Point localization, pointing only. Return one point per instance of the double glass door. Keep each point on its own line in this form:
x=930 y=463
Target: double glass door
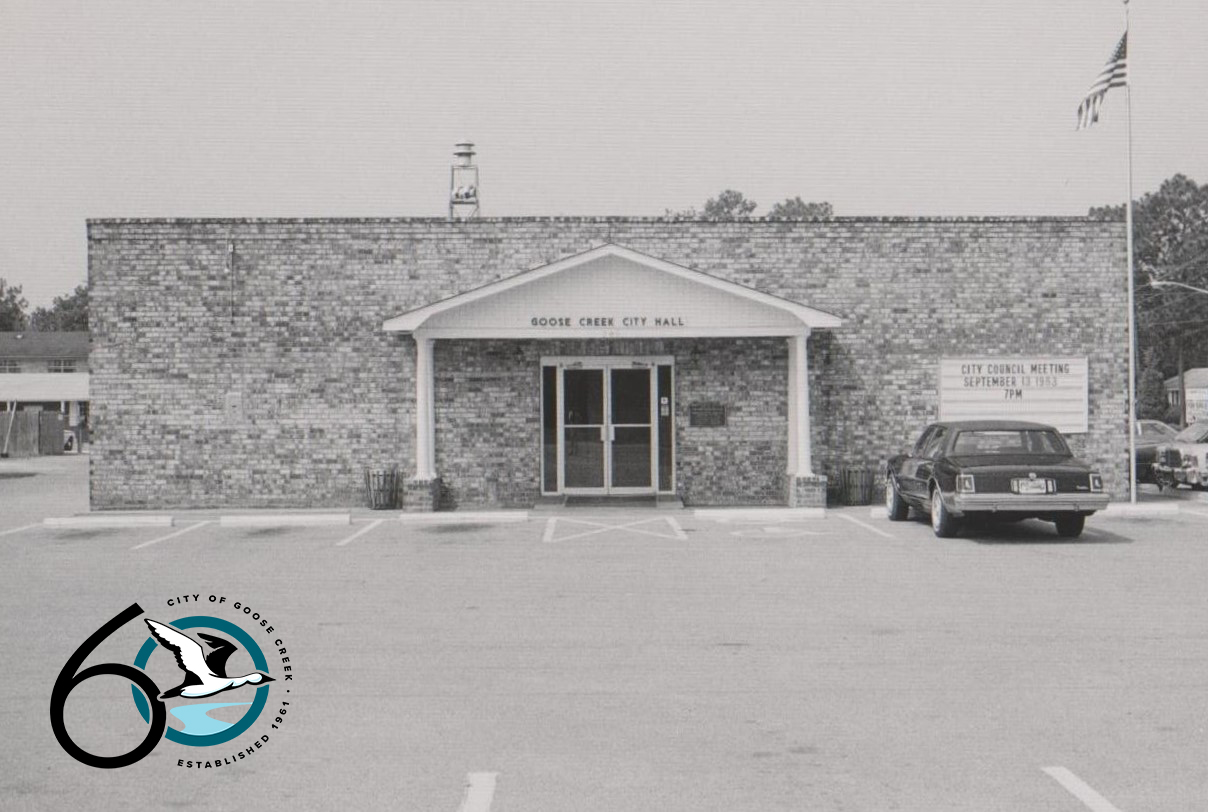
x=607 y=423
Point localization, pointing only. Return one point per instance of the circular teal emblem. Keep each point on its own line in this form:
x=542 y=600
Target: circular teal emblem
x=250 y=715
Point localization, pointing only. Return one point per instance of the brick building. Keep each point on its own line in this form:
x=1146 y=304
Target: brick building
x=500 y=361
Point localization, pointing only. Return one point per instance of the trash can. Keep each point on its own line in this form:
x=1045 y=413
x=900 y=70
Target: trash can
x=381 y=488
x=834 y=489
x=857 y=486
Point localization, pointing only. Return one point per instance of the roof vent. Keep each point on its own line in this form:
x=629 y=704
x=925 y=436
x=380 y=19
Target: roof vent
x=463 y=183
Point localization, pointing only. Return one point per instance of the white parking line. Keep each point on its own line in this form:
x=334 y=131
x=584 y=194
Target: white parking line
x=360 y=532
x=548 y=536
x=480 y=791
x=1080 y=789
x=774 y=531
x=170 y=535
x=1192 y=512
x=675 y=528
x=19 y=529
x=866 y=526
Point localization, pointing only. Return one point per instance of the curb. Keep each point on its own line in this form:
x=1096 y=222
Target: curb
x=758 y=514
x=457 y=517
x=108 y=521
x=1114 y=510
x=1149 y=510
x=285 y=520
x=1179 y=495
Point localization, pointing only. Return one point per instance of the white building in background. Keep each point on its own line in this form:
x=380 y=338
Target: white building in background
x=46 y=371
x=1194 y=388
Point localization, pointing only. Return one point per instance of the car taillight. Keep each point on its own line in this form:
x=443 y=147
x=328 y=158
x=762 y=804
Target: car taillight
x=964 y=484
x=1096 y=483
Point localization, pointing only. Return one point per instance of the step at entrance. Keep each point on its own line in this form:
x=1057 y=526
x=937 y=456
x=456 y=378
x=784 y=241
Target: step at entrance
x=666 y=501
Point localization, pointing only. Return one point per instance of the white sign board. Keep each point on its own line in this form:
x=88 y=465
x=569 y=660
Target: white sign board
x=1197 y=405
x=1040 y=389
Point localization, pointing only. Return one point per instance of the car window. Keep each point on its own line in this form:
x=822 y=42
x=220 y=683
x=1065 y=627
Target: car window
x=935 y=443
x=922 y=442
x=1045 y=442
x=1149 y=428
x=1009 y=441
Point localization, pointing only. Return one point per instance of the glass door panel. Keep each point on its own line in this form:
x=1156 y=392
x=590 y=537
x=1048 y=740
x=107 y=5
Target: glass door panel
x=584 y=465
x=629 y=431
x=583 y=428
x=630 y=397
x=631 y=457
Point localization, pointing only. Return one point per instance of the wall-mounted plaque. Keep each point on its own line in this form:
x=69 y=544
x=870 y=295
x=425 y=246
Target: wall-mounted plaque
x=707 y=414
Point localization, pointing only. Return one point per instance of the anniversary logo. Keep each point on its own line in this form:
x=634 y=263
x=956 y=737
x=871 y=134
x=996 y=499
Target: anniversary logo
x=199 y=646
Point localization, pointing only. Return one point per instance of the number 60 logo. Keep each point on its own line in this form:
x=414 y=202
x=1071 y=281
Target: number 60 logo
x=152 y=708
x=69 y=679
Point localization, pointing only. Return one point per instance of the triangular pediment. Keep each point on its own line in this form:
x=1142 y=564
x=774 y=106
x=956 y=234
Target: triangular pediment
x=611 y=291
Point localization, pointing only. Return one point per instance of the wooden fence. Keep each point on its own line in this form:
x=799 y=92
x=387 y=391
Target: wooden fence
x=30 y=433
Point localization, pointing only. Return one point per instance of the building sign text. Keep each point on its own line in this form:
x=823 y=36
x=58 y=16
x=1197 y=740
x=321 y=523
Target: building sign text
x=607 y=321
x=1039 y=389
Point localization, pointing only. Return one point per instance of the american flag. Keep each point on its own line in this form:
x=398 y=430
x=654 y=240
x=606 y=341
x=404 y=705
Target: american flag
x=1114 y=74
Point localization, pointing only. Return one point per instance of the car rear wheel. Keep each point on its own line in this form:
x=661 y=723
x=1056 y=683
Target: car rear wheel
x=895 y=506
x=942 y=522
x=1070 y=527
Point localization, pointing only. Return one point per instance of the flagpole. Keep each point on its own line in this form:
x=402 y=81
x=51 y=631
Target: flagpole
x=1132 y=313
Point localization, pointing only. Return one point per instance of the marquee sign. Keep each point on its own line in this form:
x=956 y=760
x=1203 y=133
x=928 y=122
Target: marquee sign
x=1042 y=389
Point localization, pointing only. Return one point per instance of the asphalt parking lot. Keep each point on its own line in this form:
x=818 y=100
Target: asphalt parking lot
x=636 y=660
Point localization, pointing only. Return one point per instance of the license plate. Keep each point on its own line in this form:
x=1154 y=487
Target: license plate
x=1031 y=487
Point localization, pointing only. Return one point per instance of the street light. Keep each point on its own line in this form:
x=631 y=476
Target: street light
x=1163 y=283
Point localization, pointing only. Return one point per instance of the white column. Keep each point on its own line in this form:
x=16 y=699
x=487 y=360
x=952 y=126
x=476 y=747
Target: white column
x=794 y=397
x=800 y=452
x=425 y=430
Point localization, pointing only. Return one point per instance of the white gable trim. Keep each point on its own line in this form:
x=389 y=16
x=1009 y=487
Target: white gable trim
x=414 y=320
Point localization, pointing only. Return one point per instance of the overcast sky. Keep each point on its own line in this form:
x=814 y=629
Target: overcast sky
x=630 y=107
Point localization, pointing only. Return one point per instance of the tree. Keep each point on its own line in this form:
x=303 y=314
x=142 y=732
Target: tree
x=1170 y=236
x=1151 y=390
x=796 y=209
x=729 y=205
x=734 y=205
x=12 y=307
x=65 y=313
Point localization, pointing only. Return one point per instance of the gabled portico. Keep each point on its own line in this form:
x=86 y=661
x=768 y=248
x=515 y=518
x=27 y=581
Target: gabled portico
x=613 y=292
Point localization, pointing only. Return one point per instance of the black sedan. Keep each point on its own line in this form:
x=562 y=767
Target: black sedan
x=1003 y=470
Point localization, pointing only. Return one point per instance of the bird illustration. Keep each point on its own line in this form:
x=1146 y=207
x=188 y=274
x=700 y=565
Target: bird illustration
x=205 y=674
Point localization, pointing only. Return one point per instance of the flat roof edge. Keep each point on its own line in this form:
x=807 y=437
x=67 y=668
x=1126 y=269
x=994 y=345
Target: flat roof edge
x=593 y=219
